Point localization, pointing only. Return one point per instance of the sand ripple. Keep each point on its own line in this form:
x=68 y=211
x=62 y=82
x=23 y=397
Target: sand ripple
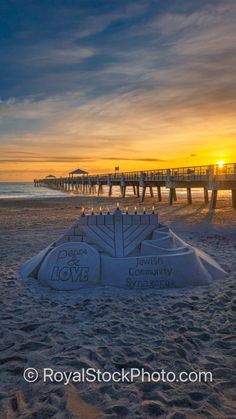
x=190 y=331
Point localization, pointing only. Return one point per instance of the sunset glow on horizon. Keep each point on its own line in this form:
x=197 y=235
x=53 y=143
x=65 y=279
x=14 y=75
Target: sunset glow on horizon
x=139 y=85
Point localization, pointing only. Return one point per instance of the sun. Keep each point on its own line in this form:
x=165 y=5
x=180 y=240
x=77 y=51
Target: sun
x=220 y=163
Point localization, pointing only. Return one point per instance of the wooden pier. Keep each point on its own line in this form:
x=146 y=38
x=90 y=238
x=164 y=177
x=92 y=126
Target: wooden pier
x=210 y=178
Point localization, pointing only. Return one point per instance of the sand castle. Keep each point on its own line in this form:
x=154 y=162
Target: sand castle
x=123 y=250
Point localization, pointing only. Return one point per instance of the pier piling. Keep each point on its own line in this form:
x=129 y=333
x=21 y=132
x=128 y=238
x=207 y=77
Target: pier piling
x=234 y=198
x=189 y=196
x=213 y=199
x=206 y=196
x=143 y=193
x=159 y=193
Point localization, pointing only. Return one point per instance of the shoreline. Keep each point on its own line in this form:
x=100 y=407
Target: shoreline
x=180 y=214
x=197 y=195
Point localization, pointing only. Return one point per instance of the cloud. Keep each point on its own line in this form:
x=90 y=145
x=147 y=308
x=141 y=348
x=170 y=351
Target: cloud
x=141 y=83
x=68 y=159
x=143 y=159
x=95 y=24
x=55 y=55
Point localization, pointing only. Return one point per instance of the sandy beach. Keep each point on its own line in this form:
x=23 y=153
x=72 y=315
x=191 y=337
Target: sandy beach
x=188 y=330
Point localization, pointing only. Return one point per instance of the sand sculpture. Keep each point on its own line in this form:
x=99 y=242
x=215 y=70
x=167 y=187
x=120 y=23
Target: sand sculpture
x=124 y=250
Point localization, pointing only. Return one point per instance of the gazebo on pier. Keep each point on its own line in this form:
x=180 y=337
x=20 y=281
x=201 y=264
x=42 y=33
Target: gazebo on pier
x=50 y=177
x=78 y=172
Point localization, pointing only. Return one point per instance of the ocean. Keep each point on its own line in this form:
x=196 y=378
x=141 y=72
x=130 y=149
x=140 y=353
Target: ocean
x=27 y=190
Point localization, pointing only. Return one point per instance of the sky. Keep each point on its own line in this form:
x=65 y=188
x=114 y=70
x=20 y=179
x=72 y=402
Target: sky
x=96 y=84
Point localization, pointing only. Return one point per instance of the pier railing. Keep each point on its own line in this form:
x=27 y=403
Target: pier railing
x=180 y=173
x=227 y=171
